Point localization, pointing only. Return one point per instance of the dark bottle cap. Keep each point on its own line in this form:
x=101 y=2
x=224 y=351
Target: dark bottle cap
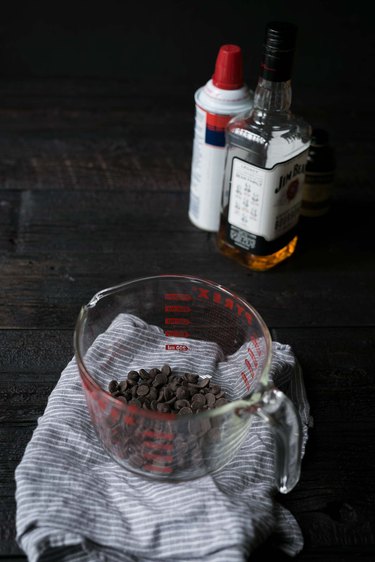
x=321 y=156
x=319 y=137
x=281 y=35
x=278 y=51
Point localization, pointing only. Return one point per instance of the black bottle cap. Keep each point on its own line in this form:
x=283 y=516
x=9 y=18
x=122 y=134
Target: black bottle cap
x=319 y=137
x=278 y=51
x=281 y=35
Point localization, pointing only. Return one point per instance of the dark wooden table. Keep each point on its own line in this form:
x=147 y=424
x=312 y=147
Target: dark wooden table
x=94 y=180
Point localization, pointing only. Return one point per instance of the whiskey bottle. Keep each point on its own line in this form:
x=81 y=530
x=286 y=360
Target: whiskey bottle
x=266 y=154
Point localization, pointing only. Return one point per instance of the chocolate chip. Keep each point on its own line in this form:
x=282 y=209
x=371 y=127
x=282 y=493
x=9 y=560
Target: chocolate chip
x=163 y=407
x=160 y=379
x=198 y=401
x=166 y=370
x=143 y=374
x=215 y=388
x=210 y=399
x=181 y=404
x=168 y=393
x=133 y=376
x=143 y=389
x=153 y=394
x=182 y=393
x=123 y=386
x=160 y=397
x=220 y=402
x=190 y=377
x=134 y=390
x=185 y=411
x=112 y=387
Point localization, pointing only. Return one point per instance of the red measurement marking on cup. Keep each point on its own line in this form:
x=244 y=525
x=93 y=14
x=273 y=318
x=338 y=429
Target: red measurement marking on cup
x=157 y=468
x=115 y=415
x=157 y=457
x=176 y=347
x=256 y=345
x=231 y=304
x=177 y=308
x=245 y=380
x=158 y=434
x=176 y=334
x=177 y=297
x=102 y=403
x=182 y=321
x=249 y=366
x=217 y=298
x=250 y=352
x=161 y=446
x=203 y=293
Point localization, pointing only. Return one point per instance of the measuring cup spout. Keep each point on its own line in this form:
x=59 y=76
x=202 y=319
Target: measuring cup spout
x=279 y=412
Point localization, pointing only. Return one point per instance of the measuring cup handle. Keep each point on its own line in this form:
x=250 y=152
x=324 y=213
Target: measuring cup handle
x=285 y=423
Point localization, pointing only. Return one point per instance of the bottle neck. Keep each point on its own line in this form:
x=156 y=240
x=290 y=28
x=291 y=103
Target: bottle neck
x=273 y=96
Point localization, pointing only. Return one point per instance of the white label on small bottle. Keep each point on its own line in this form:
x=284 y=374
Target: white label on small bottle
x=317 y=193
x=266 y=202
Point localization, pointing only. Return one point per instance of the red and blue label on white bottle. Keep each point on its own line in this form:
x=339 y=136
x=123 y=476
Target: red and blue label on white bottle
x=224 y=96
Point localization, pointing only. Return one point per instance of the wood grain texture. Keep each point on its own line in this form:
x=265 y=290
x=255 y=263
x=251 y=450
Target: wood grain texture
x=94 y=188
x=67 y=245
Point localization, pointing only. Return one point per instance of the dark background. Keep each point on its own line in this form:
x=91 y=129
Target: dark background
x=151 y=42
x=71 y=52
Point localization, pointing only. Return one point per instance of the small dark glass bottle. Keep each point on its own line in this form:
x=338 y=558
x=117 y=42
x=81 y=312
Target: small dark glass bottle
x=319 y=175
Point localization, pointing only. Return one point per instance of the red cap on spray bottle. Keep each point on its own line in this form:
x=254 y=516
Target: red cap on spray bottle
x=228 y=73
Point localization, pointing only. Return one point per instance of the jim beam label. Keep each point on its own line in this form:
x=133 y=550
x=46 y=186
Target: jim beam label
x=264 y=205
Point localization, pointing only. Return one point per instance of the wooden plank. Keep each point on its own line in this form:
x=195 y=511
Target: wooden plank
x=30 y=365
x=110 y=162
x=40 y=352
x=30 y=300
x=97 y=134
x=69 y=245
x=334 y=499
x=8 y=545
x=9 y=206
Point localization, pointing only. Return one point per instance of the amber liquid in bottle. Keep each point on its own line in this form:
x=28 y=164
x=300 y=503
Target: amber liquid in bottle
x=252 y=261
x=266 y=154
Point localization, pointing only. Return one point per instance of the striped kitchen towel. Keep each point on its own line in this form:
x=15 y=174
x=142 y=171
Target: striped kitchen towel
x=75 y=504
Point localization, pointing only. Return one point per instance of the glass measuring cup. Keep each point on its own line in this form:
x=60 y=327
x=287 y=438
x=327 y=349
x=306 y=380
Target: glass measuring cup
x=196 y=326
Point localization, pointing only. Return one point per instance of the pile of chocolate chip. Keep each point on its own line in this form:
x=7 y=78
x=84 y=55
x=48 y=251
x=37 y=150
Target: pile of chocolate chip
x=163 y=391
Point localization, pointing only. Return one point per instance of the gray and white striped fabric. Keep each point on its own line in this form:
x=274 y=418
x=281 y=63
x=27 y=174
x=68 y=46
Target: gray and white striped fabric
x=74 y=503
